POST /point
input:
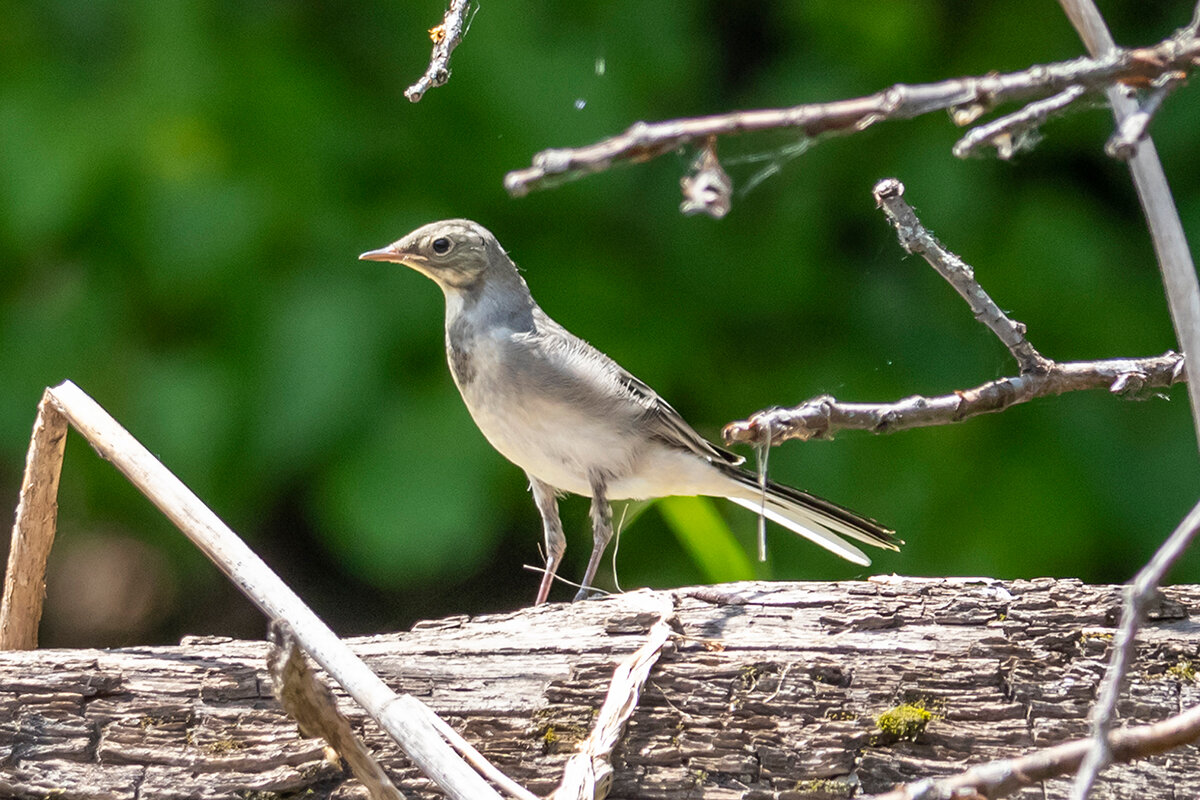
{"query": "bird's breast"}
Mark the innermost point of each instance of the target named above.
(534, 426)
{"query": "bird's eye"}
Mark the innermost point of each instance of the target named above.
(441, 245)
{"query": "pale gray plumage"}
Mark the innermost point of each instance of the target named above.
(572, 418)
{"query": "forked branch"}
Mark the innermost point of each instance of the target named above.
(823, 416)
(1055, 86)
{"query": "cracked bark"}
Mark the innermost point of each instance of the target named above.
(771, 691)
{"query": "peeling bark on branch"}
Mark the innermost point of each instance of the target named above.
(772, 691)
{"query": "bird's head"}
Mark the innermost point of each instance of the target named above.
(455, 253)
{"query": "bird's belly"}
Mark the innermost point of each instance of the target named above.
(563, 447)
(557, 445)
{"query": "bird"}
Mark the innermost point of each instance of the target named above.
(576, 421)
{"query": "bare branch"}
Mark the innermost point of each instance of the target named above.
(446, 37)
(1014, 132)
(822, 417)
(967, 98)
(311, 703)
(915, 238)
(998, 778)
(1124, 143)
(33, 531)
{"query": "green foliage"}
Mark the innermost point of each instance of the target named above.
(184, 188)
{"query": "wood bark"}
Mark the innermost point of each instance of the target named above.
(769, 690)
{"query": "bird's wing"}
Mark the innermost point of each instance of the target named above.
(670, 426)
(590, 366)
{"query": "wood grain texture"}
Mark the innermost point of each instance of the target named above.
(771, 691)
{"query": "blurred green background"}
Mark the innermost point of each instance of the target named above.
(184, 187)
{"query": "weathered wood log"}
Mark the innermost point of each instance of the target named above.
(790, 691)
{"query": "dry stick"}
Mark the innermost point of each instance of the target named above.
(402, 716)
(314, 708)
(588, 773)
(998, 778)
(33, 531)
(823, 416)
(1007, 134)
(1124, 143)
(966, 98)
(1183, 301)
(915, 238)
(445, 38)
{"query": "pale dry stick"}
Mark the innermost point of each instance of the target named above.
(824, 416)
(312, 705)
(33, 530)
(402, 716)
(999, 778)
(446, 37)
(1009, 133)
(967, 98)
(1124, 143)
(1183, 301)
(915, 238)
(476, 759)
(588, 773)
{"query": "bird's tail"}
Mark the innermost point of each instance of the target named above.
(817, 520)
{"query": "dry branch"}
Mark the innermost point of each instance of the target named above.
(312, 704)
(915, 238)
(446, 37)
(823, 416)
(966, 98)
(33, 530)
(1014, 132)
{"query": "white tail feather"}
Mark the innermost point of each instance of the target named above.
(813, 532)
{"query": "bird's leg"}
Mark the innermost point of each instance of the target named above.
(601, 531)
(556, 542)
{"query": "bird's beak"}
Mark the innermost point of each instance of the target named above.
(389, 253)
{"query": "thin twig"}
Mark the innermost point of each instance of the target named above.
(446, 37)
(915, 238)
(999, 778)
(967, 98)
(1011, 133)
(1183, 301)
(823, 416)
(312, 705)
(33, 530)
(1124, 143)
(476, 759)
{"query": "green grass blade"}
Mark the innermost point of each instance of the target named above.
(707, 538)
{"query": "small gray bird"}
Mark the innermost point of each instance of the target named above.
(573, 419)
